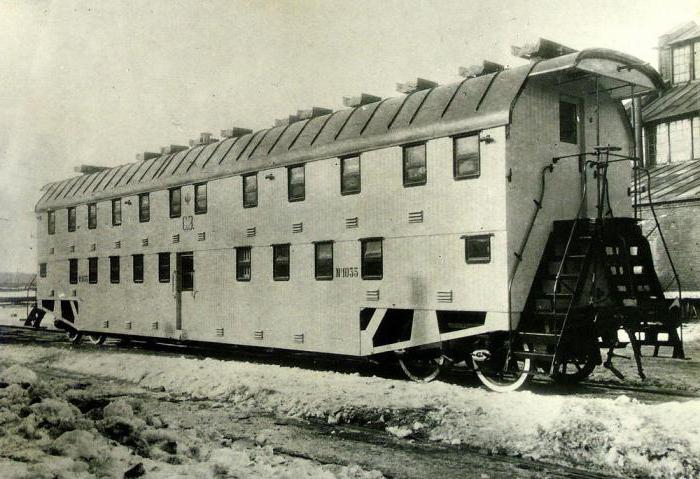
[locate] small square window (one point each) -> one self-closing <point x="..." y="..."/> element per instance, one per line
<point x="372" y="258"/>
<point x="296" y="189"/>
<point x="164" y="267"/>
<point x="280" y="262"/>
<point x="466" y="157"/>
<point x="175" y="202"/>
<point x="477" y="249"/>
<point x="71" y="219"/>
<point x="250" y="191"/>
<point x="200" y="199"/>
<point x="243" y="263"/>
<point x="42" y="270"/>
<point x="568" y="122"/>
<point x="92" y="216"/>
<point x="144" y="208"/>
<point x="114" y="269"/>
<point x="73" y="271"/>
<point x="116" y="212"/>
<point x="323" y="260"/>
<point x="51" y="222"/>
<point x="414" y="165"/>
<point x="137" y="268"/>
<point x="350" y="178"/>
<point x="92" y="270"/>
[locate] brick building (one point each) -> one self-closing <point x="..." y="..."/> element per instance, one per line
<point x="671" y="124"/>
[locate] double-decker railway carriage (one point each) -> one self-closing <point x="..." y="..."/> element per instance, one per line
<point x="488" y="220"/>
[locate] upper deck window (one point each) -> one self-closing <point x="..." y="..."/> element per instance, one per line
<point x="477" y="249"/>
<point x="466" y="157"/>
<point x="296" y="189"/>
<point x="114" y="269"/>
<point x="51" y="222"/>
<point x="568" y="122"/>
<point x="116" y="212"/>
<point x="280" y="262"/>
<point x="250" y="190"/>
<point x="175" y="202"/>
<point x="414" y="165"/>
<point x="73" y="271"/>
<point x="137" y="268"/>
<point x="200" y="198"/>
<point x="144" y="208"/>
<point x="350" y="179"/>
<point x="323" y="266"/>
<point x="243" y="263"/>
<point x="372" y="258"/>
<point x="92" y="216"/>
<point x="71" y="219"/>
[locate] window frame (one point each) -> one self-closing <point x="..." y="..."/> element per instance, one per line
<point x="43" y="269"/>
<point x="364" y="274"/>
<point x="116" y="212"/>
<point x="322" y="277"/>
<point x="134" y="269"/>
<point x="290" y="198"/>
<point x="478" y="259"/>
<point x="244" y="178"/>
<point x="73" y="271"/>
<point x="161" y="267"/>
<point x="197" y="191"/>
<point x="93" y="266"/>
<point x="144" y="218"/>
<point x="114" y="270"/>
<point x="577" y="108"/>
<point x="72" y="218"/>
<point x="171" y="195"/>
<point x="51" y="222"/>
<point x="404" y="156"/>
<point x="276" y="276"/>
<point x="92" y="216"/>
<point x="345" y="191"/>
<point x="241" y="264"/>
<point x="455" y="169"/>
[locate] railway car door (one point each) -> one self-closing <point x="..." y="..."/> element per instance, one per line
<point x="184" y="287"/>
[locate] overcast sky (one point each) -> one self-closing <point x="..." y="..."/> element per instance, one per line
<point x="98" y="82"/>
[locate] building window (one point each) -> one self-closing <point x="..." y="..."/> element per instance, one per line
<point x="92" y="270"/>
<point x="42" y="270"/>
<point x="477" y="249"/>
<point x="71" y="219"/>
<point x="696" y="60"/>
<point x="280" y="262"/>
<point x="116" y="212"/>
<point x="114" y="269"/>
<point x="92" y="216"/>
<point x="144" y="208"/>
<point x="200" y="199"/>
<point x="164" y="267"/>
<point x="466" y="157"/>
<point x="674" y="141"/>
<point x="414" y="165"/>
<point x="250" y="191"/>
<point x="681" y="64"/>
<point x="137" y="268"/>
<point x="73" y="271"/>
<point x="296" y="190"/>
<point x="175" y="202"/>
<point x="350" y="179"/>
<point x="372" y="258"/>
<point x="51" y="216"/>
<point x="323" y="266"/>
<point x="568" y="122"/>
<point x="243" y="263"/>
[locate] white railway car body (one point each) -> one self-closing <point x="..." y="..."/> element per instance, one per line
<point x="402" y="273"/>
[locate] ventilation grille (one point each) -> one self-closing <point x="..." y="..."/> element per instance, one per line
<point x="127" y="325"/>
<point x="258" y="334"/>
<point x="144" y="242"/>
<point x="372" y="295"/>
<point x="154" y="325"/>
<point x="351" y="222"/>
<point x="93" y="247"/>
<point x="250" y="232"/>
<point x="105" y="324"/>
<point x="176" y="238"/>
<point x="201" y="236"/>
<point x="117" y="244"/>
<point x="299" y="338"/>
<point x="71" y="248"/>
<point x="415" y="217"/>
<point x="297" y="227"/>
<point x="220" y="332"/>
<point x="444" y="296"/>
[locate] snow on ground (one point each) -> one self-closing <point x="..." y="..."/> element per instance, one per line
<point x="619" y="436"/>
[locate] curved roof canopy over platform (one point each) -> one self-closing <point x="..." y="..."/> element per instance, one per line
<point x="470" y="105"/>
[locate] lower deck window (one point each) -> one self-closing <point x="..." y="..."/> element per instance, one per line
<point x="114" y="269"/>
<point x="73" y="271"/>
<point x="137" y="268"/>
<point x="477" y="249"/>
<point x="323" y="265"/>
<point x="92" y="270"/>
<point x="372" y="258"/>
<point x="243" y="261"/>
<point x="42" y="270"/>
<point x="164" y="267"/>
<point x="280" y="262"/>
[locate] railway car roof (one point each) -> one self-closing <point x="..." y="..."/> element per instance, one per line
<point x="466" y="106"/>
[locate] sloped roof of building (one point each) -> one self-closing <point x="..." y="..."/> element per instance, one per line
<point x="467" y="106"/>
<point x="671" y="183"/>
<point x="688" y="32"/>
<point x="676" y="102"/>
